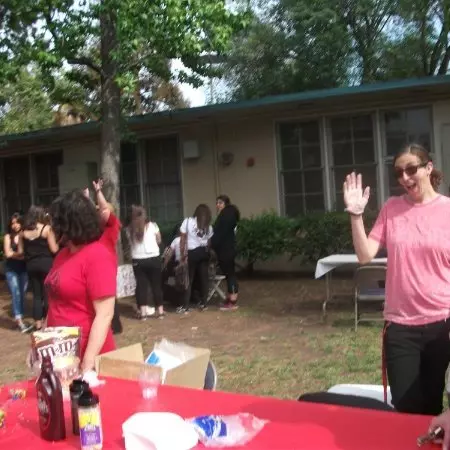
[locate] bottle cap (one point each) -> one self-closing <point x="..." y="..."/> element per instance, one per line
<point x="78" y="386"/>
<point x="88" y="398"/>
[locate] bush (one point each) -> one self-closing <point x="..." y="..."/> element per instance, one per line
<point x="264" y="237"/>
<point x="310" y="237"/>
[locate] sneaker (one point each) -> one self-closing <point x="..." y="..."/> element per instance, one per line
<point x="202" y="307"/>
<point x="229" y="306"/>
<point x="25" y="327"/>
<point x="182" y="310"/>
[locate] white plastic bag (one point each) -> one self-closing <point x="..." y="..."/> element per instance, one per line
<point x="227" y="431"/>
<point x="167" y="355"/>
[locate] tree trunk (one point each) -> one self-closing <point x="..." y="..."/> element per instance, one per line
<point x="110" y="95"/>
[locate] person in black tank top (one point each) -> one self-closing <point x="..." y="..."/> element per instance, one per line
<point x="15" y="271"/>
<point x="39" y="246"/>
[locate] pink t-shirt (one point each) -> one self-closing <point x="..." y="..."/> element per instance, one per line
<point x="417" y="239"/>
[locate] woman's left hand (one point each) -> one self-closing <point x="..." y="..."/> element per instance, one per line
<point x="442" y="421"/>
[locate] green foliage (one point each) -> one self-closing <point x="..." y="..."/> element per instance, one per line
<point x="24" y="105"/>
<point x="309" y="237"/>
<point x="264" y="237"/>
<point x="326" y="43"/>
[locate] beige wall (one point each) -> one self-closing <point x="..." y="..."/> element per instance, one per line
<point x="253" y="189"/>
<point x="198" y="175"/>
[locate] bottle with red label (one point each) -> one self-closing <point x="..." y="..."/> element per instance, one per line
<point x="50" y="403"/>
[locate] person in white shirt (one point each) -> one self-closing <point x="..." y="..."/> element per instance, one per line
<point x="196" y="232"/>
<point x="145" y="239"/>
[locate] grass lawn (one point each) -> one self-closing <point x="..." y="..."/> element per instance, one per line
<point x="275" y="344"/>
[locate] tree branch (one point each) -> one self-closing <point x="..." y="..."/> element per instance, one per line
<point x="83" y="61"/>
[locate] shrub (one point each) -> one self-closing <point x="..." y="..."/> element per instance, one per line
<point x="263" y="237"/>
<point x="310" y="237"/>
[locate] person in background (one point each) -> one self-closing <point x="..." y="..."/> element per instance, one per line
<point x="81" y="285"/>
<point x="223" y="242"/>
<point x="110" y="237"/>
<point x="145" y="238"/>
<point x="16" y="270"/>
<point x="38" y="245"/>
<point x="196" y="232"/>
<point x="414" y="229"/>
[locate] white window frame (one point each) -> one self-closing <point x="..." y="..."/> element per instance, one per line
<point x="331" y="167"/>
<point x="388" y="159"/>
<point x="279" y="170"/>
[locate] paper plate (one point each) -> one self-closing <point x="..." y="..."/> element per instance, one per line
<point x="158" y="431"/>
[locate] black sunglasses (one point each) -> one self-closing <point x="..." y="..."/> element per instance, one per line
<point x="410" y="170"/>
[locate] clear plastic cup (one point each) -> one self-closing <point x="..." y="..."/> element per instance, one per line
<point x="149" y="380"/>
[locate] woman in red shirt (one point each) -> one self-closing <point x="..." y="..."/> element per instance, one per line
<point x="82" y="283"/>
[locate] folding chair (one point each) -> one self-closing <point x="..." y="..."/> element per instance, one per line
<point x="214" y="287"/>
<point x="369" y="287"/>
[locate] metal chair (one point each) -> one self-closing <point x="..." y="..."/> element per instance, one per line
<point x="210" y="377"/>
<point x="352" y="401"/>
<point x="369" y="287"/>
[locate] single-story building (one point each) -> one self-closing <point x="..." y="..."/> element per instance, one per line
<point x="287" y="153"/>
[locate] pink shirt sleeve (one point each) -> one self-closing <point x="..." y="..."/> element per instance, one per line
<point x="378" y="232"/>
<point x="101" y="274"/>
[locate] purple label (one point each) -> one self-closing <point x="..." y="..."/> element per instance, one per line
<point x="90" y="435"/>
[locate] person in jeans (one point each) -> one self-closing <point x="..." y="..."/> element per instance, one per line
<point x="16" y="270"/>
<point x="414" y="230"/>
<point x="195" y="235"/>
<point x="39" y="245"/>
<point x="145" y="239"/>
<point x="223" y="242"/>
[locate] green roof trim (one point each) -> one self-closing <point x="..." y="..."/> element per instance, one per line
<point x="304" y="96"/>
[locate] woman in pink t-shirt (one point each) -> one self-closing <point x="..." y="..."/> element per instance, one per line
<point x="81" y="285"/>
<point x="414" y="229"/>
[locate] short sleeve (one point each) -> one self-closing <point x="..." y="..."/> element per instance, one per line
<point x="184" y="226"/>
<point x="101" y="273"/>
<point x="156" y="228"/>
<point x="210" y="232"/>
<point x="173" y="244"/>
<point x="378" y="232"/>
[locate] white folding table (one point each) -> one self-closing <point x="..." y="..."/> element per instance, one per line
<point x="325" y="266"/>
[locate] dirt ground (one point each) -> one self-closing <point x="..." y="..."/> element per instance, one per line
<point x="275" y="344"/>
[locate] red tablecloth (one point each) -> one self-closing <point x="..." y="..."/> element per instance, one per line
<point x="293" y="425"/>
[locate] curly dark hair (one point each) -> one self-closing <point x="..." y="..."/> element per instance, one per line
<point x="75" y="218"/>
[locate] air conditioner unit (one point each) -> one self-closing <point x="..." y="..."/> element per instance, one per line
<point x="191" y="150"/>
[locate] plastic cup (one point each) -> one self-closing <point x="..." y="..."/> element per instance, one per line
<point x="149" y="380"/>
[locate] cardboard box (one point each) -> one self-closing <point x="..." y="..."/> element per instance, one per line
<point x="128" y="362"/>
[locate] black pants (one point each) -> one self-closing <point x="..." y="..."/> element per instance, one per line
<point x="225" y="258"/>
<point x="40" y="303"/>
<point x="417" y="358"/>
<point x="198" y="260"/>
<point x="148" y="274"/>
